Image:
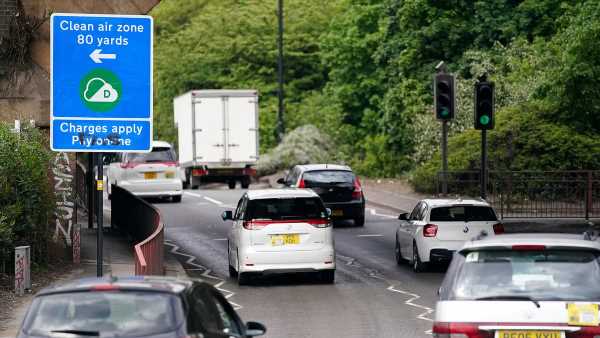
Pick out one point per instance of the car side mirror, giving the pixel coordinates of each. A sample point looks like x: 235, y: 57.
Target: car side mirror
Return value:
x: 254, y: 329
x: 227, y: 215
x: 403, y: 217
x: 328, y: 210
x: 281, y: 181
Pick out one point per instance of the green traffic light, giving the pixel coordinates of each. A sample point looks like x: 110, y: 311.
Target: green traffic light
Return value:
x: 484, y: 120
x: 445, y: 111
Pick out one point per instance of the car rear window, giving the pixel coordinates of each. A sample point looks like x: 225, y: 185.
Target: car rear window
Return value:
x: 110, y: 313
x: 158, y: 154
x: 285, y: 208
x: 539, y: 274
x: 462, y: 213
x: 320, y: 177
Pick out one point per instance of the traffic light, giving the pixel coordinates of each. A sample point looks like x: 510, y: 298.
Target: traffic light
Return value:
x: 484, y: 105
x: 444, y: 96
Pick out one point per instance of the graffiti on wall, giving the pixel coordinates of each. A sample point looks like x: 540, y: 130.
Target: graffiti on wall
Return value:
x: 63, y: 190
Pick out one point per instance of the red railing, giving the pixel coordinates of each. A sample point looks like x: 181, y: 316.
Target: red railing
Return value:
x: 149, y: 254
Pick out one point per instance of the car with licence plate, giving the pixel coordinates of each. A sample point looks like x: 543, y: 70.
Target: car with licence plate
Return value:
x: 152, y: 174
x: 522, y: 285
x: 278, y: 231
x: 337, y: 185
x: 140, y: 306
x: 437, y: 227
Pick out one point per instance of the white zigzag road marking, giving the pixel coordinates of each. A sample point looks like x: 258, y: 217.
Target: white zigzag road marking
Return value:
x: 410, y: 302
x: 207, y: 273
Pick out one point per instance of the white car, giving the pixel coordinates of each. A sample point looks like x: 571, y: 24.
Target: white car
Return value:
x: 280, y: 231
x: 438, y: 227
x: 153, y: 174
x: 522, y: 285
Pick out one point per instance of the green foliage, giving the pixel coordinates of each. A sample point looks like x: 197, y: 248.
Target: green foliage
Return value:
x: 26, y: 200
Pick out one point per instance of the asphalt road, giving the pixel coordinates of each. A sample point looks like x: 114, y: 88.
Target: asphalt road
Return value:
x: 371, y: 297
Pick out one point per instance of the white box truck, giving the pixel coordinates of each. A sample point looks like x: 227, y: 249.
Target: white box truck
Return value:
x: 217, y: 136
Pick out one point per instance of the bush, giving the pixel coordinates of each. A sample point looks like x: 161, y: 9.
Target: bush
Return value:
x: 26, y: 199
x: 305, y: 144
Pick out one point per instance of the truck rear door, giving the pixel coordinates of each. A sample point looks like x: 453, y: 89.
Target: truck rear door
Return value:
x: 209, y: 129
x: 242, y: 136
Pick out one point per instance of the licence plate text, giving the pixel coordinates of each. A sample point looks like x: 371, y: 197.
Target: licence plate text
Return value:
x: 150, y: 176
x: 337, y: 213
x: 529, y: 334
x: 286, y: 239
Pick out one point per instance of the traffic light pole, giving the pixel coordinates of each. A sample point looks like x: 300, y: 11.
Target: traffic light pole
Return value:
x: 280, y: 129
x: 445, y: 157
x: 99, y: 187
x: 483, y: 174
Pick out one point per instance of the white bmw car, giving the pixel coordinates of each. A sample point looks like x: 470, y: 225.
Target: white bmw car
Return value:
x: 153, y: 174
x: 280, y: 231
x: 436, y: 228
x: 522, y: 285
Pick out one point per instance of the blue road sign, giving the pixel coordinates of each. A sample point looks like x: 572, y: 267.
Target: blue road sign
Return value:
x: 101, y: 82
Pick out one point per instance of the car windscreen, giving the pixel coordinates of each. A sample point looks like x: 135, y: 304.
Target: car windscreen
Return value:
x: 328, y: 177
x: 285, y: 208
x: 539, y: 274
x: 122, y: 314
x: 462, y: 213
x: 158, y: 154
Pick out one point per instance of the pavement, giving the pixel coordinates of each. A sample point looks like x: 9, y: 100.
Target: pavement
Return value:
x: 118, y: 260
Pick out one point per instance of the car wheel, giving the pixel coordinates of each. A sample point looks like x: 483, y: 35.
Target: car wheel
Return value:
x: 177, y: 199
x: 327, y: 276
x: 232, y: 272
x: 242, y: 277
x: 231, y: 184
x: 360, y: 221
x: 398, y: 252
x: 417, y: 265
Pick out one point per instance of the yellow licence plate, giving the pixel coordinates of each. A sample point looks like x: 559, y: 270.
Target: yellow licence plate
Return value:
x: 337, y: 213
x: 529, y: 334
x: 170, y: 174
x: 150, y: 176
x: 287, y: 239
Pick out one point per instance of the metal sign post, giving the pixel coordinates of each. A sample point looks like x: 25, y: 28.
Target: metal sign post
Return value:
x: 100, y: 91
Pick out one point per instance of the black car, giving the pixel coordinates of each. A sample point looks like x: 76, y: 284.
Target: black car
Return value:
x: 141, y: 306
x: 337, y: 186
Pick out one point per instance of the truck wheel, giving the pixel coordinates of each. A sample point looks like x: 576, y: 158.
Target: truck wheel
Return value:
x: 231, y: 184
x: 245, y: 182
x: 195, y: 182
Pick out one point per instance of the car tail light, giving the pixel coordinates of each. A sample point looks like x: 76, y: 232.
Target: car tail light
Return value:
x: 255, y: 225
x: 129, y: 165
x: 498, y: 228
x: 587, y: 332
x: 199, y: 172
x: 105, y: 287
x: 170, y: 163
x: 430, y: 230
x: 301, y: 183
x: 529, y: 247
x: 456, y: 330
x: 319, y: 223
x: 357, y: 193
x: 249, y: 172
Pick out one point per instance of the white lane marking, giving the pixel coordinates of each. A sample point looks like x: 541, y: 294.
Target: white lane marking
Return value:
x: 219, y: 239
x: 207, y: 273
x: 370, y: 235
x: 213, y: 200
x: 375, y: 213
x: 392, y: 287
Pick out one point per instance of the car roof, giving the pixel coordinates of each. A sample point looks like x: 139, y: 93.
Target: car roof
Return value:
x: 280, y: 193
x: 161, y: 144
x: 549, y: 240
x: 133, y: 283
x: 325, y: 166
x: 439, y: 202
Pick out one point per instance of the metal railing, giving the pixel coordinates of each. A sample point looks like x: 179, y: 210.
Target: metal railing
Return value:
x: 143, y: 223
x: 531, y: 194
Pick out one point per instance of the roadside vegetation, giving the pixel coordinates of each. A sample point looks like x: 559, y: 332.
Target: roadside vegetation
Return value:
x: 361, y: 71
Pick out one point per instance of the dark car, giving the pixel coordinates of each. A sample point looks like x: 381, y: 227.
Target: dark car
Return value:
x: 337, y: 186
x: 134, y: 307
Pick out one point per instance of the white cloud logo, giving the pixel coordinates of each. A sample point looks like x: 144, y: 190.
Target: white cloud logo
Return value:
x: 105, y: 93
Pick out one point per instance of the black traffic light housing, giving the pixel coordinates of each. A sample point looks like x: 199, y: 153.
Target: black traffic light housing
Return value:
x: 484, y: 105
x: 443, y: 92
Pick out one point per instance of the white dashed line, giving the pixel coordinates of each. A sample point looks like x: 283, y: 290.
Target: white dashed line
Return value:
x: 213, y: 200
x: 375, y: 213
x: 193, y: 194
x: 370, y: 235
x: 219, y: 239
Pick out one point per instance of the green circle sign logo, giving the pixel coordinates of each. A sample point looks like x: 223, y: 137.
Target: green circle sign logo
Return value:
x: 484, y: 120
x: 100, y: 90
